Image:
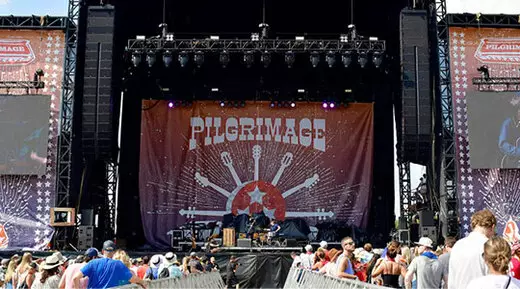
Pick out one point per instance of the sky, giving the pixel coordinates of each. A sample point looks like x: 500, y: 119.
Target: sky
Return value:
x: 34, y: 7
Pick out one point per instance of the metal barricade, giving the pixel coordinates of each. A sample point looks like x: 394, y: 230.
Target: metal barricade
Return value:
x: 211, y: 280
x: 305, y: 279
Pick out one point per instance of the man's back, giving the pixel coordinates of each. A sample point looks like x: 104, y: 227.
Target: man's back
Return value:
x: 106, y: 273
x: 466, y: 262
x: 429, y: 272
x: 69, y: 274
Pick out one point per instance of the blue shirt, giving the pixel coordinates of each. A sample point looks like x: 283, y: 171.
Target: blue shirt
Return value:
x: 106, y: 273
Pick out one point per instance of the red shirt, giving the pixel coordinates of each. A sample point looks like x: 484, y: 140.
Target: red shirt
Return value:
x: 141, y: 272
x: 515, y: 268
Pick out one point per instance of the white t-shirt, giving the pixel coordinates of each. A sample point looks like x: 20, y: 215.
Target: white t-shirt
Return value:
x: 307, y: 260
x: 466, y: 262
x: 494, y: 282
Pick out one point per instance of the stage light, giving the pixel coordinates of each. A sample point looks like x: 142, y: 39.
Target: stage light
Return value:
x: 346, y: 58
x: 222, y: 103
x: 183, y: 58
x: 325, y: 105
x: 255, y: 36
x: 199, y: 58
x: 289, y: 58
x: 266, y: 58
x: 377, y: 59
x: 249, y: 58
x: 315, y: 59
x: 136, y: 59
x: 484, y: 71
x: 242, y: 103
x: 343, y: 38
x: 331, y: 59
x: 150, y: 58
x: 170, y: 37
x: 170, y: 104
x: 293, y: 104
x: 352, y: 31
x: 272, y: 104
x: 362, y: 59
x: 167, y: 58
x: 224, y: 58
x: 332, y: 105
x: 299, y: 38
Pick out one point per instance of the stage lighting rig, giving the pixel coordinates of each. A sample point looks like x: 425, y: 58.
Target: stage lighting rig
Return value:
x: 183, y: 58
x: 315, y: 59
x: 249, y: 58
x: 362, y: 59
x: 331, y: 58
x: 346, y: 58
x: 224, y: 58
x: 36, y: 83
x: 290, y: 58
x: 199, y: 58
x: 266, y: 58
x: 136, y: 59
x: 377, y: 59
x: 167, y: 58
x: 150, y: 58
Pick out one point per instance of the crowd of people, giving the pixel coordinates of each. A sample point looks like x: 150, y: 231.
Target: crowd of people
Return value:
x: 480, y: 260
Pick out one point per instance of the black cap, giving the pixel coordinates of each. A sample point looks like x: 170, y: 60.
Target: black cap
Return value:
x: 109, y: 246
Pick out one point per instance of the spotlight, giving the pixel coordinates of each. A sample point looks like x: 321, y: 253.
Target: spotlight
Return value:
x: 170, y: 104
x: 332, y: 105
x: 255, y: 37
x: 249, y: 58
x: 484, y: 71
x: 343, y: 38
x: 266, y: 58
x: 150, y: 59
x: 272, y: 104
x: 377, y: 59
x: 325, y: 105
x: 331, y: 59
x: 289, y: 58
x: 224, y: 58
x: 199, y: 58
x: 136, y: 59
x: 352, y: 31
x: 315, y: 59
x: 346, y: 58
x: 222, y: 103
x: 183, y: 58
x: 362, y: 59
x: 293, y: 104
x: 167, y: 58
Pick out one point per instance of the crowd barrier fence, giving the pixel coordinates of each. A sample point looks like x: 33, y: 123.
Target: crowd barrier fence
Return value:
x: 305, y: 279
x: 192, y: 281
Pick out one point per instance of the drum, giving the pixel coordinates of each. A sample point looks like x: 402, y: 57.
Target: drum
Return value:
x: 256, y: 236
x: 262, y: 237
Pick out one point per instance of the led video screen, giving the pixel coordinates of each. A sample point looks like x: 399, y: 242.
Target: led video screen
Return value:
x: 494, y: 129
x: 24, y: 134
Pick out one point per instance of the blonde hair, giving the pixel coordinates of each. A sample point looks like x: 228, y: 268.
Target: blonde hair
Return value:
x: 10, y: 271
x: 406, y: 254
x: 484, y: 218
x: 26, y: 261
x: 122, y: 256
x: 497, y: 253
x: 185, y: 261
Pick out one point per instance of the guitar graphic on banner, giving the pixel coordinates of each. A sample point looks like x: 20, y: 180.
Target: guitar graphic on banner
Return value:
x: 4, y: 239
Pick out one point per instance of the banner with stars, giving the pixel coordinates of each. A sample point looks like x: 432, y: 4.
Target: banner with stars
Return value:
x: 205, y: 161
x: 25, y: 201
x: 495, y: 189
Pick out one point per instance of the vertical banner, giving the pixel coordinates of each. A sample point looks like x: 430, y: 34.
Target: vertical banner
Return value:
x: 202, y: 162
x: 25, y: 200
x: 484, y: 185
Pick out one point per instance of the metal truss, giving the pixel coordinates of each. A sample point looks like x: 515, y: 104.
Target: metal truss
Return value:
x: 110, y: 201
x: 480, y: 20
x: 64, y: 159
x: 405, y: 191
x: 446, y: 103
x: 27, y: 85
x: 497, y: 84
x: 237, y: 45
x: 33, y: 22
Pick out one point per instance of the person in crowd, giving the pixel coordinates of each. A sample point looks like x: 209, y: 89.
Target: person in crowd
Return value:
x: 426, y: 267
x: 466, y: 261
x: 153, y: 270
x: 211, y: 246
x: 297, y: 261
x: 9, y: 274
x: 194, y: 265
x: 231, y: 269
x: 135, y: 266
x: 50, y: 274
x: 368, y: 247
x: 319, y: 260
x: 371, y: 265
x: 28, y: 280
x: 307, y: 258
x: 345, y: 266
x: 3, y: 269
x: 122, y: 256
x: 323, y: 247
x: 212, y: 265
x: 185, y: 265
x: 106, y: 272
x: 389, y: 269
x: 22, y: 270
x: 515, y: 261
x: 331, y: 267
x: 497, y: 255
x: 63, y: 260
x: 141, y: 272
x: 406, y: 256
x: 170, y: 267
x: 444, y: 258
x: 67, y: 281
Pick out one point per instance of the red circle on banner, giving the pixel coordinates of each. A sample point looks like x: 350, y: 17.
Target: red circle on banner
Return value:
x: 271, y: 200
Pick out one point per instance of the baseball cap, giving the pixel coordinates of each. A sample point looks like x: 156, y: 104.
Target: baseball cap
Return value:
x: 92, y: 252
x: 323, y: 244
x: 193, y: 254
x: 308, y: 248
x: 109, y: 246
x: 425, y: 241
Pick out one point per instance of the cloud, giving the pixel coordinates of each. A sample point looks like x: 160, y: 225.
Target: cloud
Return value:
x: 4, y: 2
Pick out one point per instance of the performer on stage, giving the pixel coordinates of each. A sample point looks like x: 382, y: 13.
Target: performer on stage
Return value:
x: 273, y: 231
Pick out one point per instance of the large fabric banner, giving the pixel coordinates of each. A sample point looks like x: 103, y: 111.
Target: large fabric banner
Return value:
x: 25, y: 200
x: 495, y: 189
x: 205, y: 161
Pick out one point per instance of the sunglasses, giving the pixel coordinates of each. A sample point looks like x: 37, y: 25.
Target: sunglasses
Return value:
x: 349, y: 243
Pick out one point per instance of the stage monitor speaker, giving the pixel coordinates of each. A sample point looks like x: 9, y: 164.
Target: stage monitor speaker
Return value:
x: 87, y: 217
x: 97, y: 103
x: 244, y: 243
x: 402, y: 223
x: 426, y: 218
x: 416, y: 97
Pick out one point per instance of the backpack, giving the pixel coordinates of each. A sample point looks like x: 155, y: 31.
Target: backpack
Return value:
x: 165, y: 273
x: 151, y: 273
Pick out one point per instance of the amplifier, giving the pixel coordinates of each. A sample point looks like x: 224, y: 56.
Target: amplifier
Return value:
x: 244, y: 243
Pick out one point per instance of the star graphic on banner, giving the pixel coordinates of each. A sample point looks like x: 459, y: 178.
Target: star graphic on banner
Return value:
x: 466, y: 226
x: 38, y: 184
x: 246, y: 211
x: 471, y: 202
x: 463, y: 194
x: 472, y: 210
x: 459, y: 123
x: 455, y: 55
x: 39, y: 193
x: 455, y: 63
x: 256, y: 196
x: 457, y: 79
x: 464, y: 201
x: 459, y: 131
x: 39, y: 208
x: 39, y: 200
x: 49, y: 45
x: 454, y: 34
x: 470, y: 178
x: 469, y: 169
x: 464, y: 71
x: 458, y: 108
x: 465, y: 218
x: 455, y: 41
x: 37, y: 240
x: 464, y: 85
x: 47, y: 193
x: 457, y: 71
x: 460, y: 138
x: 46, y: 232
x: 463, y: 186
x: 463, y: 170
x: 471, y: 194
x: 462, y: 56
x: 462, y: 177
x: 269, y: 213
x: 455, y: 47
x: 47, y: 200
x: 463, y: 63
x: 462, y: 41
x: 462, y: 35
x: 47, y: 208
x: 465, y: 79
x: 38, y: 216
x: 464, y: 209
x: 37, y: 232
x: 462, y: 48
x: 48, y: 51
x: 49, y: 38
x: 47, y: 184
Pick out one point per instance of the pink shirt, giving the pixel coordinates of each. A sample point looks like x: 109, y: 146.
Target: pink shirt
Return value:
x: 515, y: 268
x: 69, y: 275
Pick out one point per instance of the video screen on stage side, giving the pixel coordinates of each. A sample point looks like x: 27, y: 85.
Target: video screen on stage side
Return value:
x: 24, y: 134
x: 494, y: 129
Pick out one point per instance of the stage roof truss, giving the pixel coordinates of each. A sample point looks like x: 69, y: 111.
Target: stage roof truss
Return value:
x: 33, y: 22
x: 483, y: 21
x: 497, y: 83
